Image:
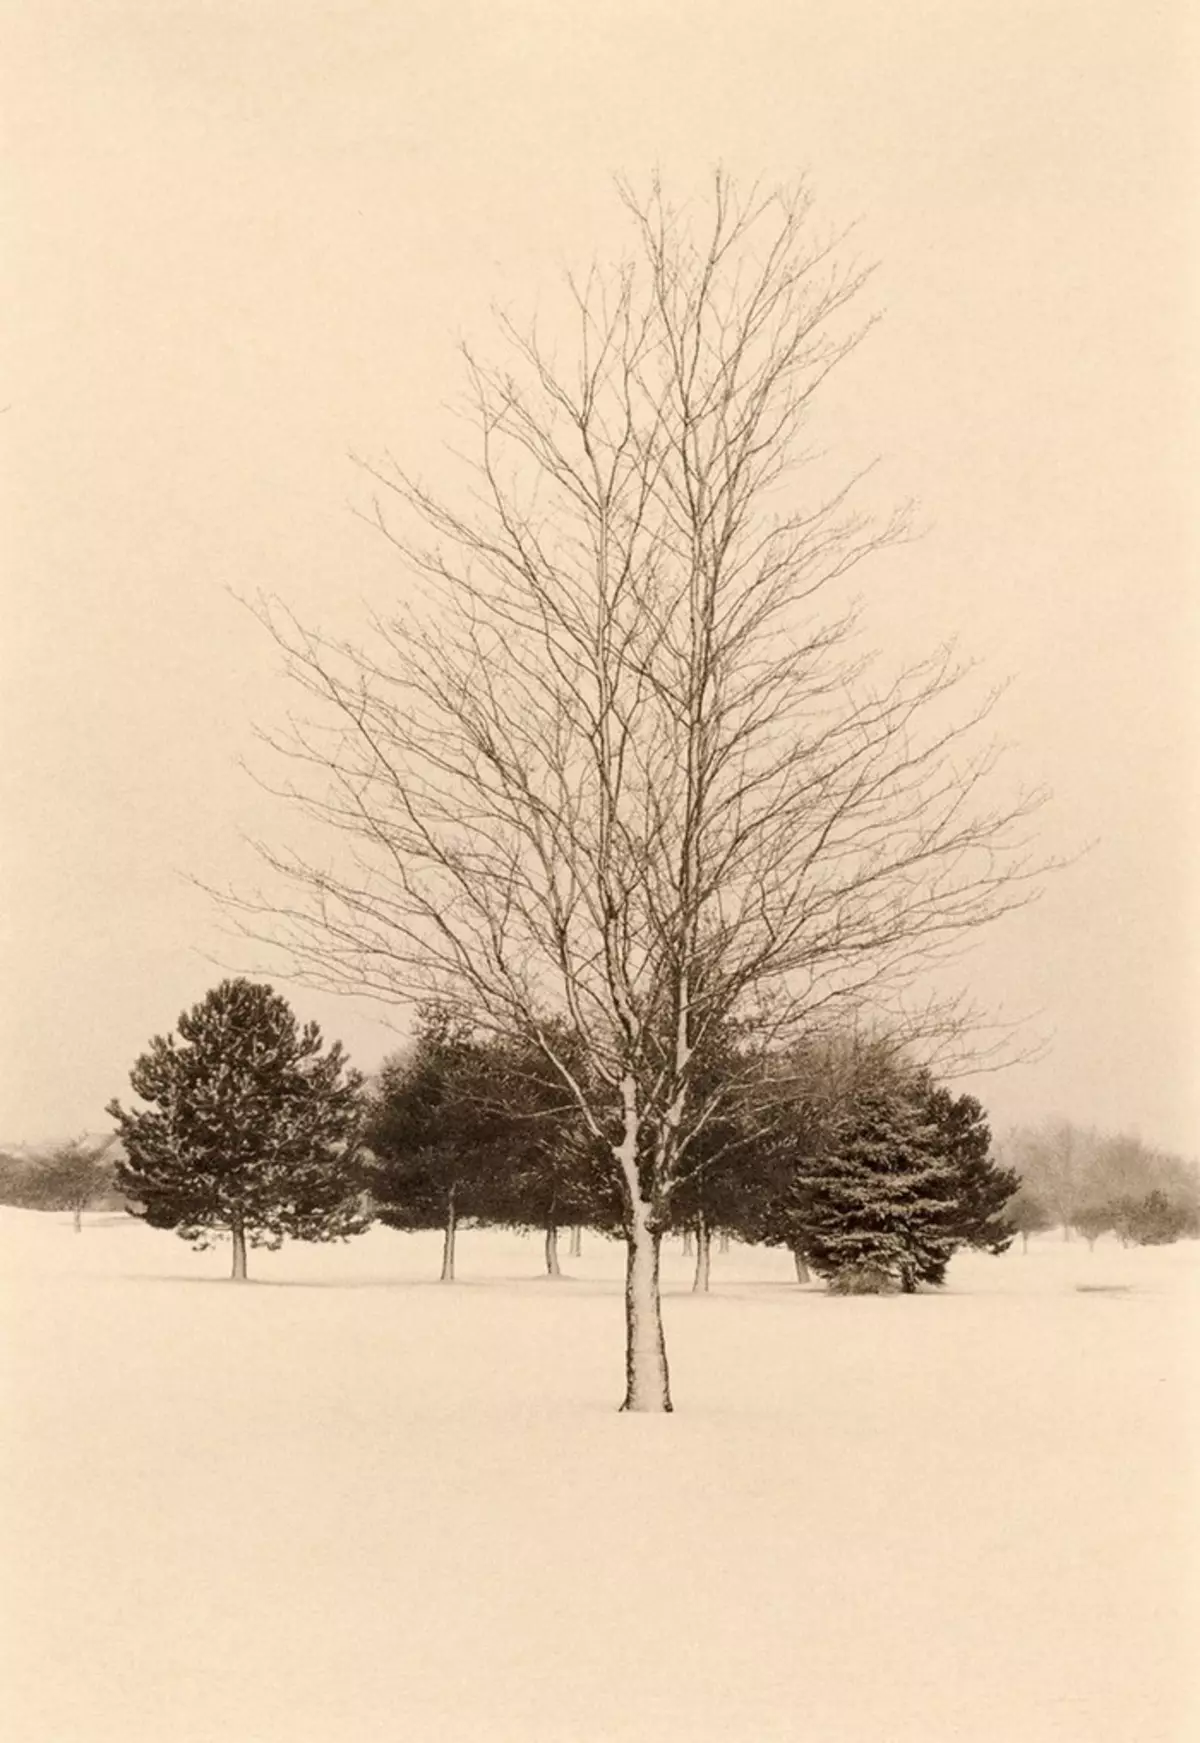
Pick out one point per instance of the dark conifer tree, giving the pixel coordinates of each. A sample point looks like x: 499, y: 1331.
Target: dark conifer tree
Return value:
x: 724, y: 1165
x: 545, y: 1176
x: 434, y: 1134
x: 805, y: 1091
x: 724, y: 1176
x: 879, y: 1203
x: 251, y: 1129
x: 984, y: 1189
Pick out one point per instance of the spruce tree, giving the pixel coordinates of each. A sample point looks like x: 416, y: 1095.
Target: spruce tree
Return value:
x: 252, y: 1128
x: 879, y: 1202
x: 984, y: 1191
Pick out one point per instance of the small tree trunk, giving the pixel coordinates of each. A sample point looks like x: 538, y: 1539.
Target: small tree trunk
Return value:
x: 723, y: 1241
x: 576, y: 1241
x: 238, y: 1273
x: 1024, y: 1241
x: 552, y: 1269
x: 78, y: 1220
x: 803, y: 1275
x: 687, y: 1243
x: 703, y: 1259
x: 908, y: 1280
x: 647, y: 1384
x: 448, y: 1243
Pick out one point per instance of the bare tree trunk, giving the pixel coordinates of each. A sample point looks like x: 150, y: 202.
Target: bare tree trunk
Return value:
x: 647, y: 1384
x: 576, y: 1241
x: 803, y: 1274
x: 552, y: 1269
x: 78, y: 1220
x: 723, y: 1241
x: 1024, y: 1241
x: 703, y: 1256
x: 238, y: 1273
x: 687, y: 1243
x: 448, y: 1243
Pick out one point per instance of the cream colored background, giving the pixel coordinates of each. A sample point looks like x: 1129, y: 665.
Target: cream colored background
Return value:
x: 240, y: 239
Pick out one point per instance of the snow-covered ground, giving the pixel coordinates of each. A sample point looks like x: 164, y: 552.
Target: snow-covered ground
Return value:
x: 350, y: 1504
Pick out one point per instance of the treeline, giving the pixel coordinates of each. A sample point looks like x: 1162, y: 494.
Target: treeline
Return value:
x: 867, y: 1169
x: 1091, y: 1183
x: 837, y: 1148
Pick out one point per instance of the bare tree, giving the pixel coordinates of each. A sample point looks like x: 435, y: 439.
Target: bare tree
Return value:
x: 74, y: 1175
x: 1056, y: 1161
x: 617, y: 760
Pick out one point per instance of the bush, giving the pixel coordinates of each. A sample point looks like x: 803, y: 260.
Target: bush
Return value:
x: 1152, y: 1221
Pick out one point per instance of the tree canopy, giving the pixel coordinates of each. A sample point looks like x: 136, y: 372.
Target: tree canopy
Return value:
x: 251, y: 1127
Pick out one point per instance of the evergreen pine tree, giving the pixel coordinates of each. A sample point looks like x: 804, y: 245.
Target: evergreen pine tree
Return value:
x: 545, y: 1175
x: 252, y: 1129
x: 879, y: 1203
x: 433, y: 1134
x: 979, y: 1217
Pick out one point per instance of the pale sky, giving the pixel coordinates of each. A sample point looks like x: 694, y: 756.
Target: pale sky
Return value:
x: 241, y: 239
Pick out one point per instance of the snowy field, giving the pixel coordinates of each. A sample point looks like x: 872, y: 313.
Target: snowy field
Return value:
x: 346, y: 1504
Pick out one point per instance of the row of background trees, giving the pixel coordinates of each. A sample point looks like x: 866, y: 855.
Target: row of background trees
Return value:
x: 870, y: 1172
x: 1087, y: 1182
x: 858, y: 1162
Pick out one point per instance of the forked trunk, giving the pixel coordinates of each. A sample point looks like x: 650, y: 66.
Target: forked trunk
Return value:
x: 803, y: 1275
x: 238, y: 1274
x: 703, y: 1256
x: 647, y: 1384
x: 552, y: 1269
x: 576, y: 1241
x: 448, y: 1242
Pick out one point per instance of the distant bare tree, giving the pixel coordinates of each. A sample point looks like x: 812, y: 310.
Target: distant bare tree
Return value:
x: 615, y: 761
x: 1093, y: 1221
x: 1055, y: 1160
x: 1028, y: 1215
x: 74, y: 1175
